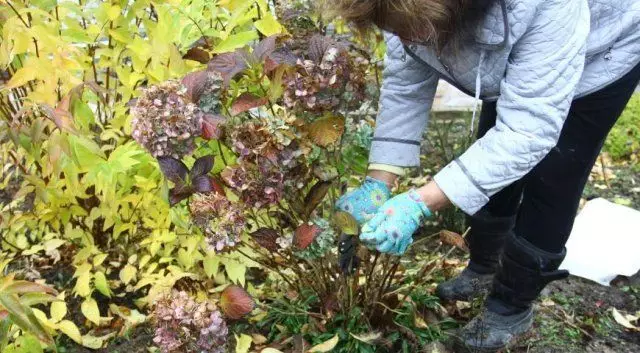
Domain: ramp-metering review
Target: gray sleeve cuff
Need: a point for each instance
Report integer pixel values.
(396, 152)
(460, 188)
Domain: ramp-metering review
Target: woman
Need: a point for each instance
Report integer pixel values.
(554, 76)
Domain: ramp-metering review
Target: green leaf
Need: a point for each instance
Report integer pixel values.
(90, 310)
(211, 264)
(235, 271)
(235, 41)
(23, 317)
(101, 284)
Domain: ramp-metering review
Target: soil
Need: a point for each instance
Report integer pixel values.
(575, 316)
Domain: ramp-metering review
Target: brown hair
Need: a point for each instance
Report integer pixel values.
(425, 21)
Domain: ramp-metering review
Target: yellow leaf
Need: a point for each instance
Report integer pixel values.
(623, 320)
(99, 259)
(22, 76)
(243, 343)
(58, 310)
(127, 273)
(53, 244)
(270, 350)
(90, 310)
(369, 338)
(268, 25)
(70, 329)
(94, 342)
(82, 287)
(326, 130)
(113, 12)
(326, 346)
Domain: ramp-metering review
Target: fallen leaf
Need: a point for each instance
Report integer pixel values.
(548, 302)
(258, 339)
(453, 239)
(419, 322)
(243, 343)
(325, 346)
(369, 338)
(622, 320)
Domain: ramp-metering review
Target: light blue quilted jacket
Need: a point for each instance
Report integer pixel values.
(532, 56)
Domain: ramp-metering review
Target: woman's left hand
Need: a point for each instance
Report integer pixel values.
(391, 229)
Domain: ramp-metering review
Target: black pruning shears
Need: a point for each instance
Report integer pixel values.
(348, 260)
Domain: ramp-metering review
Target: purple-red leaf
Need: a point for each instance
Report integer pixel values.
(267, 238)
(197, 54)
(315, 196)
(235, 302)
(228, 65)
(202, 184)
(212, 126)
(247, 101)
(305, 235)
(265, 47)
(202, 166)
(178, 194)
(173, 169)
(196, 83)
(318, 46)
(217, 185)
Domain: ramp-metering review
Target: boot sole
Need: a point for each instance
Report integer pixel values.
(461, 347)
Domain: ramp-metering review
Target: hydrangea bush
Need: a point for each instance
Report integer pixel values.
(281, 136)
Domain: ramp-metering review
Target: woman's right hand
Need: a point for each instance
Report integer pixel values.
(363, 202)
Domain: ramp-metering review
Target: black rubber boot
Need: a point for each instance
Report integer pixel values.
(485, 240)
(523, 273)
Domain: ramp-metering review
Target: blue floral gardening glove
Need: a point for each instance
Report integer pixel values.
(391, 229)
(363, 203)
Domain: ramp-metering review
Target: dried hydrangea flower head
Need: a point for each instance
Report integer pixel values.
(257, 186)
(318, 81)
(220, 220)
(165, 122)
(184, 325)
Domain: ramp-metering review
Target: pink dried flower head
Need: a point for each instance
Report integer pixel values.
(256, 186)
(184, 325)
(252, 140)
(221, 220)
(165, 122)
(329, 76)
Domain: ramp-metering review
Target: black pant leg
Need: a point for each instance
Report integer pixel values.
(504, 203)
(552, 190)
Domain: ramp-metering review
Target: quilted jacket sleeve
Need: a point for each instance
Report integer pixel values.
(543, 71)
(407, 93)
